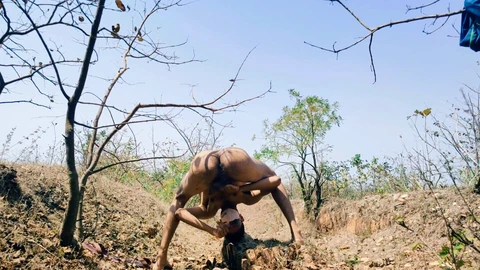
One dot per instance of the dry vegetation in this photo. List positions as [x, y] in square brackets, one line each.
[124, 223]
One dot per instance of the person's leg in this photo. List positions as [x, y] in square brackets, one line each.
[198, 179]
[171, 224]
[281, 198]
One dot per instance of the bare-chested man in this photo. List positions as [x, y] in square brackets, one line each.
[203, 177]
[230, 225]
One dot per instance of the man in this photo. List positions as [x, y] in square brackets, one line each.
[203, 177]
[231, 223]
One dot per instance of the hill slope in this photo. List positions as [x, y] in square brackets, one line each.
[128, 222]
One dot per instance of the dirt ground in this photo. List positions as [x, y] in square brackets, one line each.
[123, 226]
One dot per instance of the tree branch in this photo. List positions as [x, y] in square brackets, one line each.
[372, 31]
[133, 160]
[25, 101]
[410, 8]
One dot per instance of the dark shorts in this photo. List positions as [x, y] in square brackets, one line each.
[221, 179]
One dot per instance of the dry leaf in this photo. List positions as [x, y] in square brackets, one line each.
[120, 5]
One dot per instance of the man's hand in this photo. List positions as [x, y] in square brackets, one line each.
[221, 230]
[231, 189]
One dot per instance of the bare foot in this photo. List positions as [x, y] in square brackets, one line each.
[298, 238]
[162, 264]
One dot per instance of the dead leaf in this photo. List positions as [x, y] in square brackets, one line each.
[120, 5]
[152, 232]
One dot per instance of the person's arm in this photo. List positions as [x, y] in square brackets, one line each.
[191, 217]
[264, 184]
[252, 197]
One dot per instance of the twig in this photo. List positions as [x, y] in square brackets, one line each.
[25, 101]
[372, 31]
[133, 160]
[410, 8]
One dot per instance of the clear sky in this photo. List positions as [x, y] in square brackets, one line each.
[415, 71]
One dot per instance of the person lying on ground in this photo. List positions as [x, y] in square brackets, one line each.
[203, 178]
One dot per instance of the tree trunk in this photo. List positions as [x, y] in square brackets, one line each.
[476, 189]
[308, 204]
[68, 226]
[80, 232]
[318, 195]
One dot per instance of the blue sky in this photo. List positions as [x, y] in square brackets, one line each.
[414, 70]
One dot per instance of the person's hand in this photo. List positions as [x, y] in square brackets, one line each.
[231, 189]
[221, 230]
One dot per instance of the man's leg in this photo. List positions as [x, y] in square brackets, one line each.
[198, 179]
[281, 198]
[171, 224]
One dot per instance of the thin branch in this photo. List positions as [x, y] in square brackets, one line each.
[134, 160]
[57, 72]
[371, 59]
[372, 31]
[410, 8]
[25, 101]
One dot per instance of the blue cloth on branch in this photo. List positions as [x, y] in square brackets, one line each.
[470, 30]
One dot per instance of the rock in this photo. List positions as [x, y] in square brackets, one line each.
[276, 252]
[267, 256]
[245, 264]
[251, 255]
[311, 266]
[377, 263]
[364, 259]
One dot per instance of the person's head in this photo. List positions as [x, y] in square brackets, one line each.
[234, 221]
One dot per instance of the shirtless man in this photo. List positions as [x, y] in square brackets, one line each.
[231, 223]
[242, 170]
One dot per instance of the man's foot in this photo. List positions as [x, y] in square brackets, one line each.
[298, 238]
[162, 264]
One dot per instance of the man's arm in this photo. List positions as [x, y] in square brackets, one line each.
[191, 217]
[267, 184]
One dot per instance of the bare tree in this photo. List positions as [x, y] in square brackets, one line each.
[448, 155]
[34, 20]
[372, 30]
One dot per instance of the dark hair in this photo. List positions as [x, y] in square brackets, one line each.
[236, 236]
